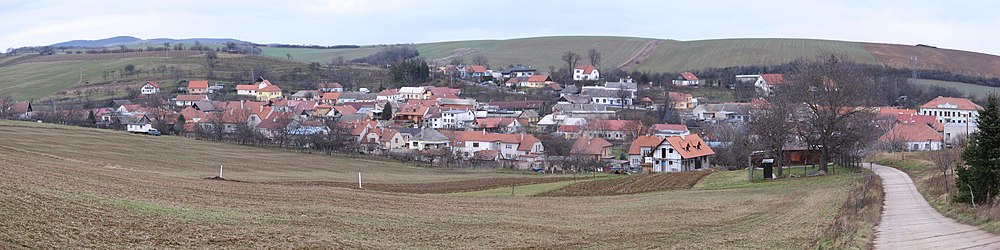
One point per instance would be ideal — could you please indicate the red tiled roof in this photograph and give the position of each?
(689, 76)
(331, 96)
(475, 68)
(331, 85)
(773, 79)
(589, 146)
(689, 146)
(345, 109)
(246, 87)
(539, 78)
(154, 84)
(921, 119)
(270, 88)
(192, 98)
(20, 107)
(895, 111)
(679, 97)
(494, 122)
(586, 69)
(198, 84)
(961, 103)
(614, 125)
(644, 141)
(555, 86)
(524, 141)
(911, 132)
(388, 92)
(569, 128)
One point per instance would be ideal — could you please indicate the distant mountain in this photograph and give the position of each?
(130, 40)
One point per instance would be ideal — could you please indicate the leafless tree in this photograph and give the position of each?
(571, 59)
(835, 93)
(771, 128)
(734, 144)
(458, 60)
(595, 57)
(944, 160)
(6, 102)
(481, 60)
(623, 94)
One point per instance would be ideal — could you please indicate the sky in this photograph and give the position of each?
(964, 25)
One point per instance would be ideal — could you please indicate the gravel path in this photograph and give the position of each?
(909, 222)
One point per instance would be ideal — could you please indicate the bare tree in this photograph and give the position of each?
(458, 60)
(944, 159)
(623, 94)
(835, 94)
(6, 102)
(771, 127)
(481, 60)
(571, 59)
(595, 57)
(734, 144)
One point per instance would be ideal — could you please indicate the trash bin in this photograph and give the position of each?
(768, 166)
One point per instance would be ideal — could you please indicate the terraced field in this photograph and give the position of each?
(64, 187)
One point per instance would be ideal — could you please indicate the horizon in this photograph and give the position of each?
(355, 22)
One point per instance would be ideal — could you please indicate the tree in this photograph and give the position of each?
(179, 124)
(623, 94)
(943, 160)
(978, 180)
(458, 60)
(211, 59)
(571, 59)
(771, 127)
(387, 112)
(91, 119)
(481, 60)
(834, 94)
(595, 57)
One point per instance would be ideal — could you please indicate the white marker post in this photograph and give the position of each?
(359, 180)
(220, 171)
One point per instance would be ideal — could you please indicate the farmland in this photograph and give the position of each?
(65, 187)
(970, 90)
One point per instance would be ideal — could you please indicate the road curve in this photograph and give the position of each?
(909, 222)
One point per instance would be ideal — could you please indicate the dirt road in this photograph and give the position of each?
(909, 222)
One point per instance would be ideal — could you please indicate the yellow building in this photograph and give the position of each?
(268, 93)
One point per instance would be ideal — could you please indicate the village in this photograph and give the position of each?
(581, 131)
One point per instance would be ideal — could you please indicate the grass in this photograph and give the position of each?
(674, 56)
(521, 191)
(969, 90)
(737, 179)
(64, 187)
(936, 188)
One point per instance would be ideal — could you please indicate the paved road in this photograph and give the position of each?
(908, 222)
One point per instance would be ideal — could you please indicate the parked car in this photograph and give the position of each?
(153, 132)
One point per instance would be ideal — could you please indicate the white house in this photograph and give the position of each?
(450, 119)
(913, 136)
(958, 115)
(507, 146)
(686, 79)
(586, 73)
(149, 88)
(188, 100)
(414, 93)
(139, 125)
(763, 83)
(681, 153)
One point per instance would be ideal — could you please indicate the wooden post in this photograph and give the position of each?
(220, 171)
(359, 180)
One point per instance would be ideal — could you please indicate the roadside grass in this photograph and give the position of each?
(736, 179)
(937, 188)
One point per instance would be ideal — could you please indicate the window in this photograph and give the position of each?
(671, 150)
(670, 162)
(508, 146)
(475, 144)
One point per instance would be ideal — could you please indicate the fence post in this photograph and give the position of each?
(220, 171)
(359, 180)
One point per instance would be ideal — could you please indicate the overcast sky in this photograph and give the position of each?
(966, 25)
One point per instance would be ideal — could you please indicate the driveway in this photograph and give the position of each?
(909, 222)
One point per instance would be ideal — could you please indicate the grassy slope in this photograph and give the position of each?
(970, 90)
(57, 199)
(674, 56)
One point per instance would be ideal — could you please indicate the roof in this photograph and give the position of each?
(484, 155)
(589, 146)
(518, 68)
(603, 92)
(246, 87)
(613, 125)
(412, 90)
(664, 126)
(475, 68)
(539, 78)
(428, 134)
(773, 79)
(525, 104)
(494, 122)
(330, 85)
(951, 103)
(569, 128)
(679, 97)
(156, 85)
(690, 146)
(187, 98)
(21, 107)
(201, 84)
(524, 141)
(555, 86)
(388, 92)
(644, 141)
(895, 111)
(270, 88)
(921, 119)
(689, 76)
(587, 69)
(386, 134)
(911, 132)
(331, 95)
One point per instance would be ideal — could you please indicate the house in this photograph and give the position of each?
(414, 93)
(958, 115)
(723, 112)
(443, 92)
(913, 137)
(197, 87)
(498, 125)
(386, 138)
(306, 95)
(681, 153)
(18, 110)
(269, 92)
(682, 100)
(667, 130)
(391, 95)
(569, 89)
(621, 93)
(586, 73)
(188, 100)
(473, 71)
(596, 149)
(686, 79)
(518, 147)
(330, 87)
(763, 83)
(518, 71)
(331, 98)
(149, 88)
(246, 90)
(535, 81)
(428, 138)
(641, 149)
(346, 97)
(451, 119)
(614, 129)
(140, 124)
(515, 105)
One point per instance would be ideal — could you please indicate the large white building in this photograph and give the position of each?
(586, 73)
(959, 116)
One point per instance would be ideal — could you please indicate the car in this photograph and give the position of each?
(153, 132)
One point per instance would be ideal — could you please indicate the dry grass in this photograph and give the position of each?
(937, 188)
(856, 220)
(53, 195)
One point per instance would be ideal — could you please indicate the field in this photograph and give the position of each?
(970, 90)
(672, 56)
(64, 187)
(956, 61)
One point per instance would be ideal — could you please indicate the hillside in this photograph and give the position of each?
(132, 41)
(673, 56)
(63, 187)
(970, 90)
